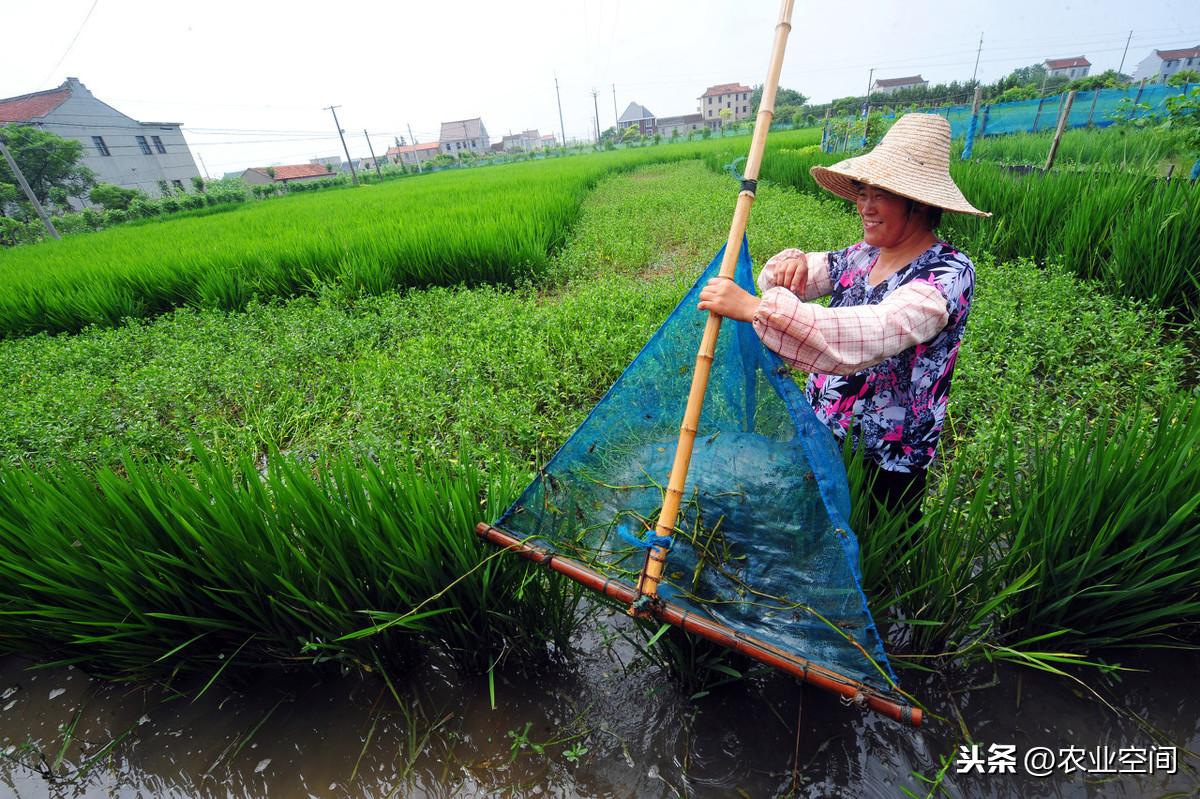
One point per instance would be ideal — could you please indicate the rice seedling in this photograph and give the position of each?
(1089, 538)
(160, 570)
(1114, 149)
(474, 226)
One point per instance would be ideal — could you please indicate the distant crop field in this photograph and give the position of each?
(492, 225)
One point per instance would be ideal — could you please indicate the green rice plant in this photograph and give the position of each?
(1114, 149)
(497, 225)
(1108, 516)
(161, 570)
(1089, 538)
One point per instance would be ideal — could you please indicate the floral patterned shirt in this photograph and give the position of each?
(881, 357)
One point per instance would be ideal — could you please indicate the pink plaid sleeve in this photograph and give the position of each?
(843, 341)
(818, 284)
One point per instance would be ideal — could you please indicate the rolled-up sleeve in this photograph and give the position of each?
(818, 283)
(843, 341)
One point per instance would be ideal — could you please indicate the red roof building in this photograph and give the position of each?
(1075, 67)
(285, 174)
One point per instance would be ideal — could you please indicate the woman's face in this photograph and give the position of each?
(886, 218)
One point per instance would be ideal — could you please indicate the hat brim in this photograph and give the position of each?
(921, 185)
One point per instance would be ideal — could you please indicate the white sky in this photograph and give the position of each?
(250, 79)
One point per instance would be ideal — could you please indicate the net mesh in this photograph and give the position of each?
(763, 544)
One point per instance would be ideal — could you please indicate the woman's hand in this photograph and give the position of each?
(790, 271)
(726, 298)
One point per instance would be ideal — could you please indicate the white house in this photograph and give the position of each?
(119, 149)
(464, 134)
(527, 141)
(1072, 68)
(892, 85)
(1162, 64)
(733, 96)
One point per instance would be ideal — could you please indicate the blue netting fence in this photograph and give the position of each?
(1096, 108)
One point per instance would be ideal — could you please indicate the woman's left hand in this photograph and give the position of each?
(726, 298)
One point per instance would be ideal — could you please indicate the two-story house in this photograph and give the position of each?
(733, 96)
(1162, 64)
(1072, 68)
(464, 135)
(119, 149)
(639, 116)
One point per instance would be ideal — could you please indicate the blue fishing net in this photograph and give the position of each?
(763, 544)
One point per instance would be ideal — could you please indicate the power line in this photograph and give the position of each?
(75, 38)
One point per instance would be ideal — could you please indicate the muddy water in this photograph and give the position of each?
(609, 724)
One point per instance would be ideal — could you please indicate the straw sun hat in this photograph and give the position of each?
(912, 160)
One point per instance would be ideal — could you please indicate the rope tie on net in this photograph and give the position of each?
(650, 542)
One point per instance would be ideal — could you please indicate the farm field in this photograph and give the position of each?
(472, 226)
(459, 391)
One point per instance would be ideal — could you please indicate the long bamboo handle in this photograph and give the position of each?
(656, 557)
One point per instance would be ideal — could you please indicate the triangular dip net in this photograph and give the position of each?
(763, 545)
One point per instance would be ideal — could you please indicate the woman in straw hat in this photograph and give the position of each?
(881, 356)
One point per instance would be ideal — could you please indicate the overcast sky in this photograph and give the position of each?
(250, 79)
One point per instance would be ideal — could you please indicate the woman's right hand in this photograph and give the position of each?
(789, 269)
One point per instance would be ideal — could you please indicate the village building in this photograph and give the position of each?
(117, 148)
(1162, 64)
(638, 116)
(893, 85)
(732, 96)
(464, 135)
(413, 154)
(1072, 68)
(679, 125)
(291, 173)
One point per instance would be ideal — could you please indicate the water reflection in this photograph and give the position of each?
(608, 726)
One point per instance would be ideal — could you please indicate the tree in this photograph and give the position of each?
(1183, 77)
(782, 97)
(725, 114)
(47, 161)
(114, 197)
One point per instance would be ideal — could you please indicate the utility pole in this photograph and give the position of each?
(616, 119)
(977, 53)
(416, 155)
(561, 126)
(371, 150)
(202, 166)
(1122, 67)
(596, 108)
(867, 108)
(333, 109)
(29, 195)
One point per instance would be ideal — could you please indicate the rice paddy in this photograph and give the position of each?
(254, 480)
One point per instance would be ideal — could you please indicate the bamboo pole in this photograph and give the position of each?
(858, 693)
(656, 557)
(1062, 125)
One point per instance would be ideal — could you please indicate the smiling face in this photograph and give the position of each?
(888, 219)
